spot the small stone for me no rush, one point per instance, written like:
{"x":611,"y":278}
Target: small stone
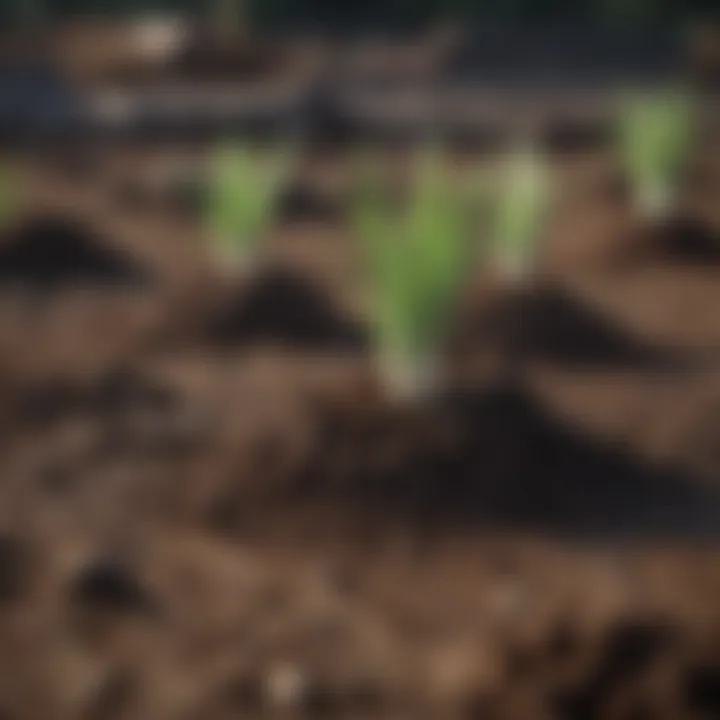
{"x":286,"y":686}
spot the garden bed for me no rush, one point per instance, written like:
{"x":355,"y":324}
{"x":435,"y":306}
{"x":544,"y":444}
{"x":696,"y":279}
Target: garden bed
{"x":210,"y":508}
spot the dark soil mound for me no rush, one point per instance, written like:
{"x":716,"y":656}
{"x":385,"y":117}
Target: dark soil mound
{"x":49,"y":253}
{"x":281,"y":308}
{"x":549,"y":324}
{"x":684,"y":240}
{"x":518,"y":466}
{"x":106,"y":584}
{"x":702,"y":690}
{"x":630,"y":648}
{"x":525,"y":466}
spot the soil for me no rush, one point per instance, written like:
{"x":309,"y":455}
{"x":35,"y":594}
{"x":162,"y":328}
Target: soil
{"x":51,"y":252}
{"x":205,"y":61}
{"x":104,"y":56}
{"x":211,"y":510}
{"x":281,"y":309}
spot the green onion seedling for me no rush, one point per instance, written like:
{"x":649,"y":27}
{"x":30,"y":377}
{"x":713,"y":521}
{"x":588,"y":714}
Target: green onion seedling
{"x":655,"y":135}
{"x":243,"y":194}
{"x":419,"y":258}
{"x":520,"y":209}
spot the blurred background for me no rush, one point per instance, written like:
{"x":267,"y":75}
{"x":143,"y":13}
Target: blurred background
{"x":359,"y":360}
{"x":323,"y":13}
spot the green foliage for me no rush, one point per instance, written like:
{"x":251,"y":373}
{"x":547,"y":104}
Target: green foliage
{"x":519,"y":211}
{"x":418,"y":258}
{"x":242,"y":196}
{"x":655,"y":134}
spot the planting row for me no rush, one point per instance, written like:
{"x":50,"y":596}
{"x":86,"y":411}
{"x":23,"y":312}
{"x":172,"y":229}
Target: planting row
{"x":423,"y":244}
{"x":265,"y":416}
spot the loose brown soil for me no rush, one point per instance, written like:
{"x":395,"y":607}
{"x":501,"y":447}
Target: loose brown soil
{"x":211,"y":511}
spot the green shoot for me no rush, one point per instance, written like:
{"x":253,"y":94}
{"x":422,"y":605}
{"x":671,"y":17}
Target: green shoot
{"x":520,"y":210}
{"x":655,"y":135}
{"x":243,"y":193}
{"x":419,"y":257}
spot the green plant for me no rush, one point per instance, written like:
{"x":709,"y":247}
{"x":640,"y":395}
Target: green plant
{"x":519,"y":210}
{"x":243,"y":192}
{"x":655,"y":134}
{"x":418,"y":257}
